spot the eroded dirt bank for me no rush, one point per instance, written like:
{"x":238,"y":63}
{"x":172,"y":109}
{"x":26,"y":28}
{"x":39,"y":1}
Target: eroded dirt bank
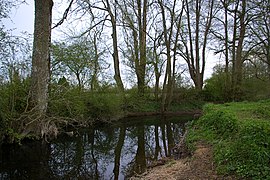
{"x":199,"y":166}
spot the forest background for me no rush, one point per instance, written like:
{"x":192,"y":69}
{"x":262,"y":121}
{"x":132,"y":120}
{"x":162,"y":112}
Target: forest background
{"x":112,"y":58}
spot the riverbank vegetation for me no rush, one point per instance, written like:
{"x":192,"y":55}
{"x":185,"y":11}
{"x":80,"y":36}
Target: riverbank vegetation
{"x":240,"y":136}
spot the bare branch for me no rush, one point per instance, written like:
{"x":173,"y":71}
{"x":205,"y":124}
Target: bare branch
{"x":64,"y":15}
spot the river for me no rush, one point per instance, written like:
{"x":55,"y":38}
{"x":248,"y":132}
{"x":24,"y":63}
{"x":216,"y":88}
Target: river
{"x":111,"y":151}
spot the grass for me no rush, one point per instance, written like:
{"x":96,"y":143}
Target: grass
{"x":240,"y":135}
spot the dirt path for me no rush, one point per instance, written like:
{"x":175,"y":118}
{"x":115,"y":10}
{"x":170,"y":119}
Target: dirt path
{"x":199,"y":166}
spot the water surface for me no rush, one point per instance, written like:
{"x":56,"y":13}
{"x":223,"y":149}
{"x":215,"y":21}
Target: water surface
{"x":106,"y":152}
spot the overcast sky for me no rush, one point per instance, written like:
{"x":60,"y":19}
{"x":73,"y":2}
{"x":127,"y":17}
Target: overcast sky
{"x":21,"y":18}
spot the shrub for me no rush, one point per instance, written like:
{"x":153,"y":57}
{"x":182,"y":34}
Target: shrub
{"x":133,"y":102}
{"x":85,"y":106}
{"x":67,"y":103}
{"x":103,"y":105}
{"x":263,"y":110}
{"x":13,"y":101}
{"x":223,"y":123}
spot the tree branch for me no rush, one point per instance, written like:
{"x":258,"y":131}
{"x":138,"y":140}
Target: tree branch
{"x":64,"y":15}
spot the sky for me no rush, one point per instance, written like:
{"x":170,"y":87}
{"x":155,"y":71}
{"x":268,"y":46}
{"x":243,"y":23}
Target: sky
{"x":22,"y":19}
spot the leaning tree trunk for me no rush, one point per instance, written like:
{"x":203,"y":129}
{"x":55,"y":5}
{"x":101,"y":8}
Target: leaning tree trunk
{"x":40,"y":61}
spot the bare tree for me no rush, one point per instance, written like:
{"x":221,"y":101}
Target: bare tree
{"x":260,"y":31}
{"x":240,"y":38}
{"x":109,"y":9}
{"x":136,"y":24}
{"x":195,"y":37}
{"x":171,"y":36}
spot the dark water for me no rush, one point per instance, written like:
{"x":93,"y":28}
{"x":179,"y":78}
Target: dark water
{"x":107,"y":152}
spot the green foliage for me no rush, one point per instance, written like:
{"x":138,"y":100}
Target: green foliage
{"x":66,"y":103}
{"x":217,"y":87}
{"x":255,"y":85}
{"x":133,"y":102}
{"x":241,"y":143}
{"x":186,"y":105}
{"x":248,"y":154}
{"x":255,"y":89}
{"x":12,"y":136}
{"x":263,"y":110}
{"x":82,"y":105}
{"x":104,"y":105}
{"x":223,"y":123}
{"x":13,"y":101}
{"x":185,"y":99}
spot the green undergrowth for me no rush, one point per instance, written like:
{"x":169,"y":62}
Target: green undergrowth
{"x":240,"y":135}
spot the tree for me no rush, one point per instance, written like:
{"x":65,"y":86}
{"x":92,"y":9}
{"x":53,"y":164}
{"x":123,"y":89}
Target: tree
{"x":109,"y":10}
{"x":136,"y":24}
{"x":237,"y":16}
{"x":7,"y":41}
{"x":40,"y":60}
{"x":238,"y":40}
{"x":5,"y":6}
{"x":195,"y":37}
{"x":154,"y":57}
{"x":75,"y":58}
{"x":171,"y":36}
{"x":260,"y":31}
{"x":117,"y":75}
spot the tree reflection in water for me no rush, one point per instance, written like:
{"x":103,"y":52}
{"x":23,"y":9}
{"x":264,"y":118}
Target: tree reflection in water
{"x":108,"y":152}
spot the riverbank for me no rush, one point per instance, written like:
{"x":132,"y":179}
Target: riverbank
{"x":199,"y":166}
{"x":236,"y":145}
{"x":88,"y":111}
{"x":194,"y":112}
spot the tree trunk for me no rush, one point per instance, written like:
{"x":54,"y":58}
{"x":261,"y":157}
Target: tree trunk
{"x":142,"y":19}
{"x":40,"y":72}
{"x":157,"y":73}
{"x":226,"y":42}
{"x":195,"y":60}
{"x":117,"y":75}
{"x":198,"y":84}
{"x":77,"y":74}
{"x":169,"y":80}
{"x":40,"y":60}
{"x":237,"y":76}
{"x":117,"y":152}
{"x":94,"y":79}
